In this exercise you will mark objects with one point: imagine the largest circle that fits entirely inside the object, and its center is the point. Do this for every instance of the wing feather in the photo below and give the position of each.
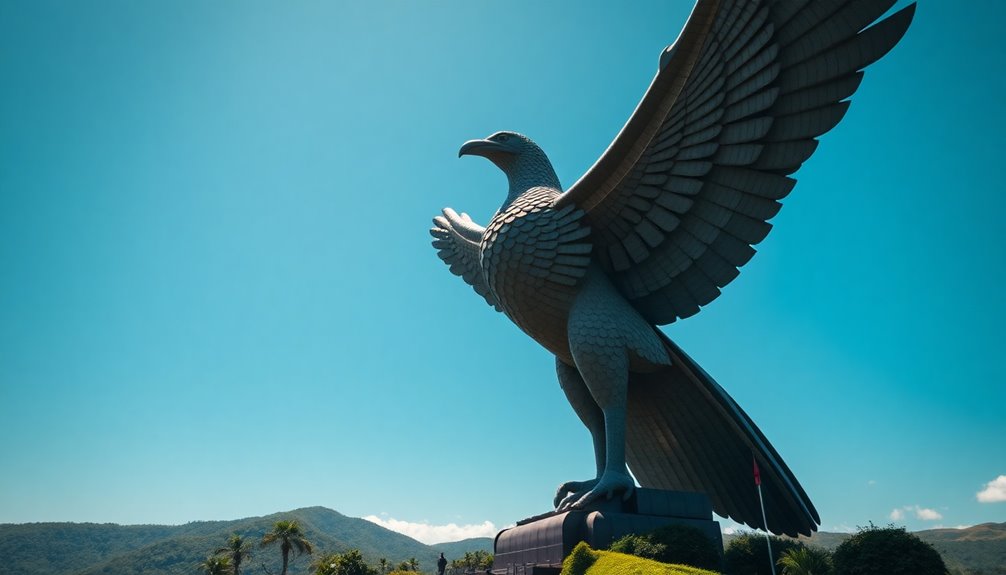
(456, 238)
(687, 187)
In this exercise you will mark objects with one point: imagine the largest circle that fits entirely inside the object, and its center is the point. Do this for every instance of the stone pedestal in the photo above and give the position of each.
(539, 544)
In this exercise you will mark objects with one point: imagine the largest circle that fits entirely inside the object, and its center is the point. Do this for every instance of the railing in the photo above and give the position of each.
(524, 569)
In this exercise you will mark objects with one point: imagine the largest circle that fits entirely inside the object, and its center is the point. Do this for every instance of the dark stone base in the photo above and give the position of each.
(539, 544)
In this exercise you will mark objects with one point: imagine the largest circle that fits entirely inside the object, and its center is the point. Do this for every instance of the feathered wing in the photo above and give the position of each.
(687, 187)
(456, 238)
(684, 432)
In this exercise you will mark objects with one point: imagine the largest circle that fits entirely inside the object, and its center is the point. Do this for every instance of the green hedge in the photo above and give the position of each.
(678, 544)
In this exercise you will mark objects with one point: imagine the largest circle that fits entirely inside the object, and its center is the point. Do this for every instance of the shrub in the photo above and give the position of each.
(805, 561)
(747, 555)
(638, 545)
(677, 544)
(579, 560)
(887, 551)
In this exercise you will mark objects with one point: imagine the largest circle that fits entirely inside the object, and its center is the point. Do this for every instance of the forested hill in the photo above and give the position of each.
(110, 549)
(977, 550)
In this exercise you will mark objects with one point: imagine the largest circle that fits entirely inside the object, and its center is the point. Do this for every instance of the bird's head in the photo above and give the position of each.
(524, 163)
(501, 148)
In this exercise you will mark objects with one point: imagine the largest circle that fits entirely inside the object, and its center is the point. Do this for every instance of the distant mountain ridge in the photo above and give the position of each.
(110, 549)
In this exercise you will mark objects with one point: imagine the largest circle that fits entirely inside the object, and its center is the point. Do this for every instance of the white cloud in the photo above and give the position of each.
(922, 513)
(994, 492)
(871, 482)
(433, 534)
(927, 514)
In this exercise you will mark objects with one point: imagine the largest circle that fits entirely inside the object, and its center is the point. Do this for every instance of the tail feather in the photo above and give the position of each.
(685, 433)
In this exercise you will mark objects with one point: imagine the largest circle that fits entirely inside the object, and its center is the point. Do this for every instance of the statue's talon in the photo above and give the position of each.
(609, 484)
(567, 502)
(572, 489)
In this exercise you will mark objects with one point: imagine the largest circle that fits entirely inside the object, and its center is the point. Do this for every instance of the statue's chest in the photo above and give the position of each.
(533, 257)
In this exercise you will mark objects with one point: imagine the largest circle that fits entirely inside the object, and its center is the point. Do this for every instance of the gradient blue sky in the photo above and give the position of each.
(218, 297)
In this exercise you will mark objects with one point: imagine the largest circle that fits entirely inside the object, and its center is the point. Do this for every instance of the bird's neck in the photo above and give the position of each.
(527, 173)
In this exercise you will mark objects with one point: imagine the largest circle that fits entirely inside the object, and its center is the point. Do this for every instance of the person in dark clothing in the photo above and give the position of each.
(441, 565)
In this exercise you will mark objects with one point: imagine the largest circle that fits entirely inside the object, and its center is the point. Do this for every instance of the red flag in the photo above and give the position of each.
(757, 474)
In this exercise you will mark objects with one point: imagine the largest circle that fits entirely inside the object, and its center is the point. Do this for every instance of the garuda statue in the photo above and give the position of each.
(653, 231)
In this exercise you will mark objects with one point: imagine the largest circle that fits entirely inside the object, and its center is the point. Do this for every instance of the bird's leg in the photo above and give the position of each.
(603, 364)
(603, 329)
(615, 477)
(592, 417)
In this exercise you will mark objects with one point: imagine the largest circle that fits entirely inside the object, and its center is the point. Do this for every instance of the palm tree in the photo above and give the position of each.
(237, 550)
(290, 536)
(805, 561)
(413, 564)
(383, 562)
(216, 566)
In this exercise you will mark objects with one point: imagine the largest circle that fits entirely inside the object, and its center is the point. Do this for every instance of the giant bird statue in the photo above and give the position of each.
(656, 227)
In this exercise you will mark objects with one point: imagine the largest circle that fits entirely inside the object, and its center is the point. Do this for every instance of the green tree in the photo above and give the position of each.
(889, 551)
(383, 563)
(413, 564)
(326, 564)
(472, 561)
(215, 565)
(805, 561)
(481, 560)
(237, 550)
(746, 554)
(290, 537)
(349, 563)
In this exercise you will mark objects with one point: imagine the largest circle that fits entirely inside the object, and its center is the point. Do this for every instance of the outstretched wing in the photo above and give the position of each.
(457, 239)
(687, 186)
(685, 433)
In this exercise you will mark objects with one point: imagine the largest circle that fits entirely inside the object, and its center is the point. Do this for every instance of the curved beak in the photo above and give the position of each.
(481, 148)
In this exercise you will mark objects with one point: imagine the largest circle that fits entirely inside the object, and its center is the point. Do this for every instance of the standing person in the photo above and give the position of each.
(441, 565)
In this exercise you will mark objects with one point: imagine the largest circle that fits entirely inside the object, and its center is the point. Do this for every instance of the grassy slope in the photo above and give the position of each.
(585, 561)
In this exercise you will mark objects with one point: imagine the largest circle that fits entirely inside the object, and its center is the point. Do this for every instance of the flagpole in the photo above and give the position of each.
(764, 519)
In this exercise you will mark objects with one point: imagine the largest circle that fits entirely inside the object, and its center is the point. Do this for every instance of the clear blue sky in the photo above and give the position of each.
(218, 297)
